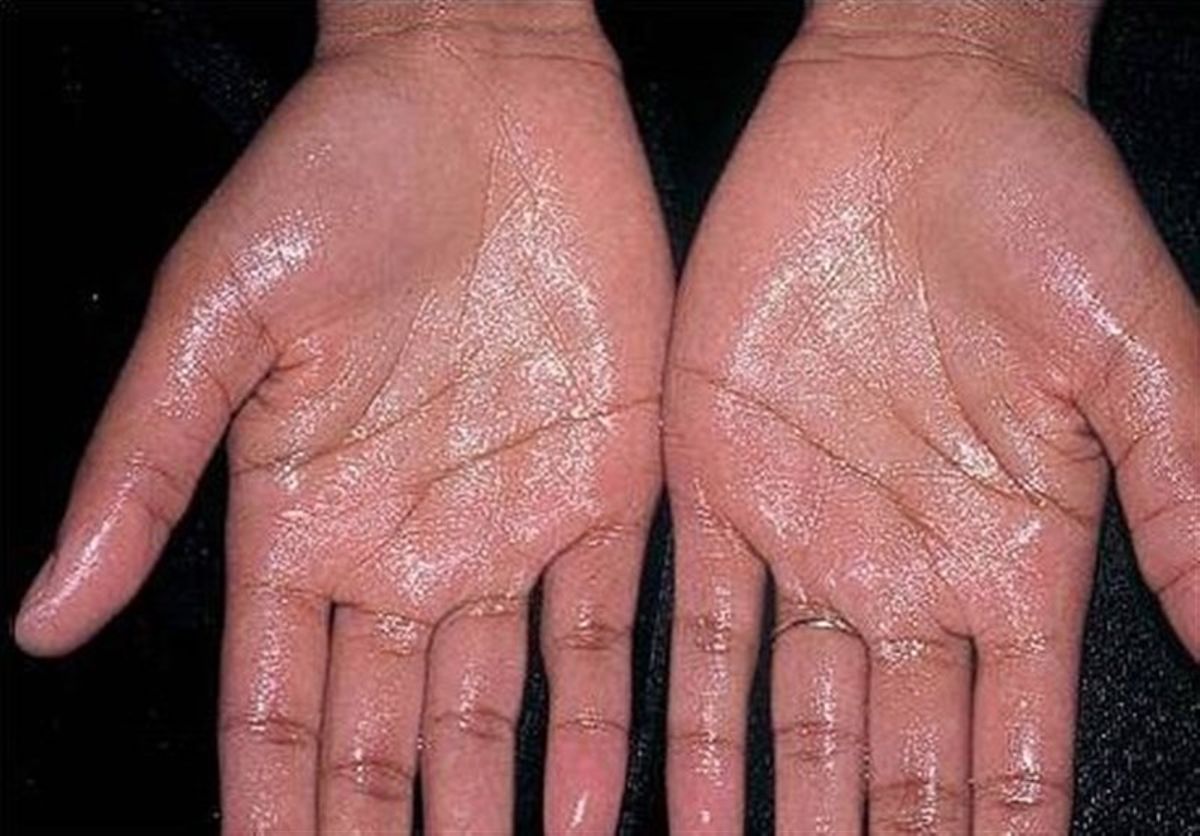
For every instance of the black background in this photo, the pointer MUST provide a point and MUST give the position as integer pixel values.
(119, 118)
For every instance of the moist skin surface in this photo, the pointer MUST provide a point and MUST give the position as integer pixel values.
(902, 310)
(433, 297)
(425, 471)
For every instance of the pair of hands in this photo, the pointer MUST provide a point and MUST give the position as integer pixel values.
(434, 300)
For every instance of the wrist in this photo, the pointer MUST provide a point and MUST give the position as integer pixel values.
(558, 27)
(1046, 38)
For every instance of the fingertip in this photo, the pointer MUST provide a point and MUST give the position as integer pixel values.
(1181, 602)
(65, 606)
(36, 639)
(29, 629)
(39, 632)
(580, 809)
(586, 773)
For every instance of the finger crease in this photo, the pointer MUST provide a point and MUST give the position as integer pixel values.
(378, 778)
(271, 729)
(480, 722)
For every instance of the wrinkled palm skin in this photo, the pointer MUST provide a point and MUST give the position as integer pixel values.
(433, 299)
(924, 312)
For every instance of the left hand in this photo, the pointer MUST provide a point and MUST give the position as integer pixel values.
(431, 303)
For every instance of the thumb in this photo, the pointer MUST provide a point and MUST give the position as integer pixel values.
(198, 355)
(1145, 407)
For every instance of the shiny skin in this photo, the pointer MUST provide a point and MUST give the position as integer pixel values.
(431, 305)
(924, 314)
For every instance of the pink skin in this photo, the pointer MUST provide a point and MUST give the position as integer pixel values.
(924, 313)
(431, 306)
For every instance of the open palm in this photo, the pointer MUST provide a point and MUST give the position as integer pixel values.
(432, 298)
(923, 310)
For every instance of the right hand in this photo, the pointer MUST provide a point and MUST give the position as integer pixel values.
(924, 311)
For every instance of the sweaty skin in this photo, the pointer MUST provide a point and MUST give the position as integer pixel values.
(431, 304)
(923, 315)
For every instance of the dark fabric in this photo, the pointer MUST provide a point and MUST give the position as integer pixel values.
(120, 117)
